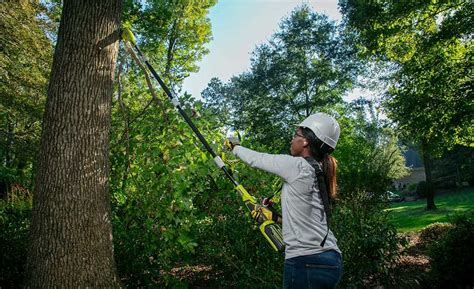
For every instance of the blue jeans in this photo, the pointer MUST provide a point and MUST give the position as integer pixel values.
(323, 270)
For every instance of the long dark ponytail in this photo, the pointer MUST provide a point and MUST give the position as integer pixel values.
(321, 152)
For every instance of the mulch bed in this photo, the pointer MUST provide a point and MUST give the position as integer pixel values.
(413, 265)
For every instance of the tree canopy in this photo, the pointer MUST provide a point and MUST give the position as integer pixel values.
(430, 42)
(429, 92)
(24, 69)
(173, 33)
(307, 66)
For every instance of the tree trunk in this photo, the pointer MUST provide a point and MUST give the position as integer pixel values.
(71, 234)
(427, 161)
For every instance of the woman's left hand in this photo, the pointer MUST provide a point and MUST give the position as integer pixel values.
(231, 142)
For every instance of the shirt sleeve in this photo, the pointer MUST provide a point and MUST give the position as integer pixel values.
(284, 166)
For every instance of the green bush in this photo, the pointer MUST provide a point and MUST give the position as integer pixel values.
(15, 215)
(434, 232)
(423, 189)
(239, 253)
(169, 198)
(452, 256)
(368, 241)
(411, 187)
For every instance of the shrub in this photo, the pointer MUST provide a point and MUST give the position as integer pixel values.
(411, 188)
(433, 233)
(15, 215)
(369, 243)
(240, 254)
(452, 256)
(423, 189)
(175, 213)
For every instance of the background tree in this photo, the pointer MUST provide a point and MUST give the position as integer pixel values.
(71, 243)
(307, 66)
(430, 45)
(172, 33)
(434, 91)
(368, 153)
(25, 62)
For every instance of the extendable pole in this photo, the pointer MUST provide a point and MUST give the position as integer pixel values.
(188, 120)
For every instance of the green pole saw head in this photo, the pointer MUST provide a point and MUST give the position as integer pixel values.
(127, 33)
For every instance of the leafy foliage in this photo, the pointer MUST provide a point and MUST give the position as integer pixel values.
(24, 68)
(152, 184)
(173, 34)
(452, 255)
(434, 232)
(307, 66)
(156, 178)
(368, 242)
(15, 213)
(433, 89)
(369, 158)
(429, 44)
(400, 30)
(169, 198)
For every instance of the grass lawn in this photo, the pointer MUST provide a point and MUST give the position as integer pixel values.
(412, 216)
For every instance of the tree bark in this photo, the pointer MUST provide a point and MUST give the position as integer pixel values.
(428, 163)
(71, 233)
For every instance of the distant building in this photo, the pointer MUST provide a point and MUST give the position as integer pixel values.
(417, 173)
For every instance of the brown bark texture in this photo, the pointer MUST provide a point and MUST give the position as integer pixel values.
(428, 164)
(71, 234)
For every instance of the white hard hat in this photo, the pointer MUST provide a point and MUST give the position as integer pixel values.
(324, 126)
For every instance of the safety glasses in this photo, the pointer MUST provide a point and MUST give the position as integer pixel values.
(298, 134)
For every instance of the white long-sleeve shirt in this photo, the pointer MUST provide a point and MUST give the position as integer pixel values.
(304, 220)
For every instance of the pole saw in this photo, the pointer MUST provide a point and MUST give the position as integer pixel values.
(270, 230)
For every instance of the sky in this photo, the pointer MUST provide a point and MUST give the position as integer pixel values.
(238, 27)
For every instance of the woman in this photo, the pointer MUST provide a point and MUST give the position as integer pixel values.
(312, 257)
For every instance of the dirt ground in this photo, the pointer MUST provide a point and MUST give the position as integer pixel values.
(413, 265)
